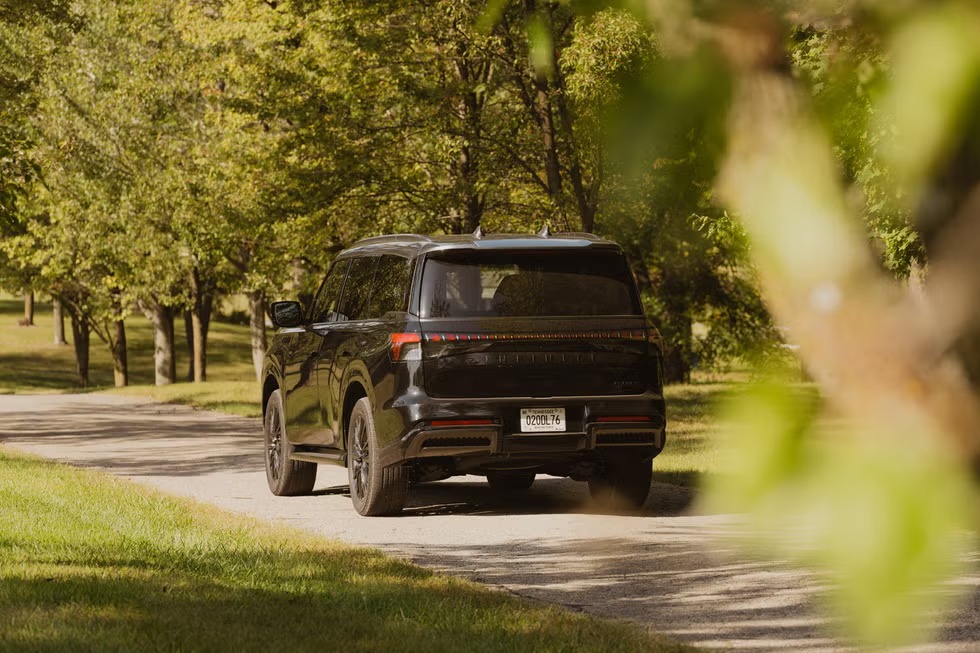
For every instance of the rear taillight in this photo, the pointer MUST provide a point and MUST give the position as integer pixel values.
(628, 334)
(405, 347)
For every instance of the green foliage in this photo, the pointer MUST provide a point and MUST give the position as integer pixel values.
(888, 529)
(846, 70)
(245, 144)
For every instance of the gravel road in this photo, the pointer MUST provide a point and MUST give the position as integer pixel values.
(667, 568)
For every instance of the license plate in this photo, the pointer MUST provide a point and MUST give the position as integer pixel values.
(538, 420)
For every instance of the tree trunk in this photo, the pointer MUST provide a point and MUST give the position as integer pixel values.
(80, 330)
(204, 318)
(120, 362)
(545, 119)
(197, 321)
(189, 335)
(584, 194)
(202, 291)
(549, 146)
(679, 354)
(472, 202)
(171, 345)
(256, 307)
(59, 321)
(164, 361)
(199, 345)
(677, 367)
(472, 74)
(28, 309)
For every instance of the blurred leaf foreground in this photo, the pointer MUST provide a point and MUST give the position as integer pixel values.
(850, 160)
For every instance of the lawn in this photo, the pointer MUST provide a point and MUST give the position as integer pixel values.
(92, 562)
(30, 362)
(692, 431)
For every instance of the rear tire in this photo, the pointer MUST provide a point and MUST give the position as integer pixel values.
(502, 482)
(625, 485)
(286, 477)
(374, 490)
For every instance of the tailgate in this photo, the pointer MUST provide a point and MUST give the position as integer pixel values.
(552, 357)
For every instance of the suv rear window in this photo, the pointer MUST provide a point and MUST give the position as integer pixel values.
(526, 283)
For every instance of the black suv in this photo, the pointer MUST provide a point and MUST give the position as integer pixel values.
(506, 356)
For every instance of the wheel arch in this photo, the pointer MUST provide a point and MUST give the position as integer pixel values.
(354, 393)
(270, 385)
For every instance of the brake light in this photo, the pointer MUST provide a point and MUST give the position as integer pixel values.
(624, 418)
(462, 422)
(629, 334)
(403, 344)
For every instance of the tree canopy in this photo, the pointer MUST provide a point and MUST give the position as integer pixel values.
(189, 148)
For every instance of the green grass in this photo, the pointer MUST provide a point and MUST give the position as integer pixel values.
(30, 362)
(692, 431)
(89, 562)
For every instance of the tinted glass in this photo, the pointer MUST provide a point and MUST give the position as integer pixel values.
(504, 284)
(391, 285)
(357, 290)
(326, 298)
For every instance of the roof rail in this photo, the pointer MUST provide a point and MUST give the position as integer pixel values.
(391, 238)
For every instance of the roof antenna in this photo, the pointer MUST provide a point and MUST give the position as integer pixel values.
(545, 231)
(478, 232)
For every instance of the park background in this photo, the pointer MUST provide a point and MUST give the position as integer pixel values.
(778, 173)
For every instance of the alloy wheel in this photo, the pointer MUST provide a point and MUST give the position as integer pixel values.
(360, 457)
(274, 445)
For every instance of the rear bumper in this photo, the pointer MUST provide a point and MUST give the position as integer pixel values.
(406, 431)
(429, 442)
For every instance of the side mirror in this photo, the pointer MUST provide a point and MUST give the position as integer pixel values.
(286, 314)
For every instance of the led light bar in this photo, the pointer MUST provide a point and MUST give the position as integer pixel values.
(636, 334)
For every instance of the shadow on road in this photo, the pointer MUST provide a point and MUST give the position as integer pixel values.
(143, 441)
(547, 496)
(166, 440)
(667, 578)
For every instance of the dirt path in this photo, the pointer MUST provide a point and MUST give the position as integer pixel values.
(670, 571)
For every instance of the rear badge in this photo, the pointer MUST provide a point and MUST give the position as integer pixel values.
(542, 420)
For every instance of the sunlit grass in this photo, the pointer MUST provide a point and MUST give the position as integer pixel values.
(31, 362)
(92, 562)
(695, 436)
(692, 431)
(233, 397)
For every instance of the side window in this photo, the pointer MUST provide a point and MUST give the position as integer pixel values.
(357, 291)
(391, 286)
(326, 299)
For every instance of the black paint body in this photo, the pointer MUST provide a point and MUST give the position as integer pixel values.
(602, 369)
